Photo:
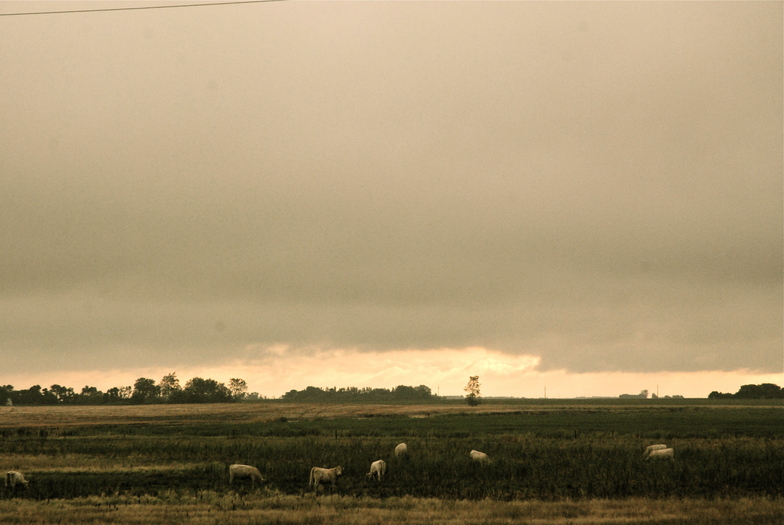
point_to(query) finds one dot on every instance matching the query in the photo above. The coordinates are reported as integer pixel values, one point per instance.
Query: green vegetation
(550, 460)
(763, 391)
(543, 454)
(144, 391)
(198, 390)
(399, 394)
(473, 393)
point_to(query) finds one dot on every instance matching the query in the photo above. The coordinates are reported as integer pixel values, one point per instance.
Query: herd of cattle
(320, 476)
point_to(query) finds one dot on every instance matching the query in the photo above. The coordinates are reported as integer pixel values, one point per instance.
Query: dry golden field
(236, 412)
(265, 508)
(31, 416)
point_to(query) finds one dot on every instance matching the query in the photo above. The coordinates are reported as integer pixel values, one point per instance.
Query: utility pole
(545, 392)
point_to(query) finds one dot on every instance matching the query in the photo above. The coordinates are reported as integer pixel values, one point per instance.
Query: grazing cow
(662, 453)
(244, 471)
(320, 475)
(377, 468)
(651, 448)
(479, 457)
(14, 478)
(401, 450)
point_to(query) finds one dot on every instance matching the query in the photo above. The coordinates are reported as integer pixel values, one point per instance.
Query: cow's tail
(311, 480)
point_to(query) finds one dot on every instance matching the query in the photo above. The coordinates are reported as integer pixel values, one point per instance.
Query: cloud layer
(593, 187)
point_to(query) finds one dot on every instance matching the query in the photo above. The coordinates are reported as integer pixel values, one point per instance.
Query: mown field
(554, 461)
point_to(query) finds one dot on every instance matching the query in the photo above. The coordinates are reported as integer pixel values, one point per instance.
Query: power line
(168, 6)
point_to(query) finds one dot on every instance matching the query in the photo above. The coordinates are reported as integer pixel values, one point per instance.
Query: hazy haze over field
(586, 196)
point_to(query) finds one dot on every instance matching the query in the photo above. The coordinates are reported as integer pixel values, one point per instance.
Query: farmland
(555, 461)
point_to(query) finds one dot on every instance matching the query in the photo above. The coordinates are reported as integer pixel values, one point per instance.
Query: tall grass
(207, 507)
(543, 455)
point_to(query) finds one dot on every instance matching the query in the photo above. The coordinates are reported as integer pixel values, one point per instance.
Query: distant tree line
(144, 391)
(644, 395)
(641, 395)
(763, 391)
(314, 394)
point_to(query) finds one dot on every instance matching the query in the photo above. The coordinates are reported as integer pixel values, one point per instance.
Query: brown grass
(213, 508)
(64, 416)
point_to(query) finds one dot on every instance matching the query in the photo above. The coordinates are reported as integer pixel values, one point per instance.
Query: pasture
(556, 461)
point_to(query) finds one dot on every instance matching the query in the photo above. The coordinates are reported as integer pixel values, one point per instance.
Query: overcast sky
(586, 195)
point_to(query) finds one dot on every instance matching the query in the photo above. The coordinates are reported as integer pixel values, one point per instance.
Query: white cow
(401, 450)
(244, 471)
(377, 468)
(14, 478)
(320, 475)
(479, 457)
(662, 453)
(651, 448)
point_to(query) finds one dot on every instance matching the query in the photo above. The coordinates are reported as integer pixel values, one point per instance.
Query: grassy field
(552, 461)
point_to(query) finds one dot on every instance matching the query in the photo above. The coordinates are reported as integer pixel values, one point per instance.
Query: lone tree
(238, 388)
(472, 391)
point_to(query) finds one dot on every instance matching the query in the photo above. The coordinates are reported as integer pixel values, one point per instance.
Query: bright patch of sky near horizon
(444, 371)
(586, 193)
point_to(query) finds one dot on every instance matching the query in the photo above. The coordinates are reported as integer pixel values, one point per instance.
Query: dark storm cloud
(596, 184)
